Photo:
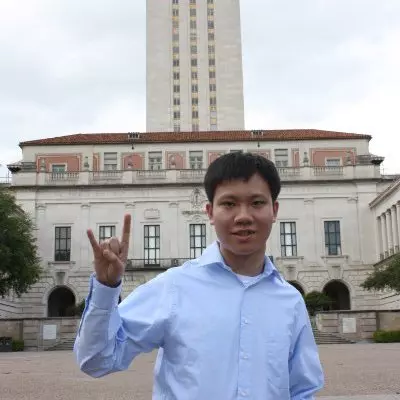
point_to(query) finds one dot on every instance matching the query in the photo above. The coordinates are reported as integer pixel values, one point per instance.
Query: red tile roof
(190, 137)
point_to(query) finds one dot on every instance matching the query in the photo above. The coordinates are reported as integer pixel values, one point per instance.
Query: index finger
(95, 246)
(126, 233)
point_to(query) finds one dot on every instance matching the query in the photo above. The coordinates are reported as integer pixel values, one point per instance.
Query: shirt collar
(212, 255)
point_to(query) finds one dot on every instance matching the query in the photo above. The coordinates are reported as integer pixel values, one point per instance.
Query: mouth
(244, 233)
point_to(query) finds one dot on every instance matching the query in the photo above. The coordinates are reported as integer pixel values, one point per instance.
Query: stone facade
(169, 203)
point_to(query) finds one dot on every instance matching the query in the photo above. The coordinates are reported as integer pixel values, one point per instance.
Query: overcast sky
(70, 66)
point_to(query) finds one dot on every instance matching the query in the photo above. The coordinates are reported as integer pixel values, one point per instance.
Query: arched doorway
(339, 293)
(60, 303)
(297, 286)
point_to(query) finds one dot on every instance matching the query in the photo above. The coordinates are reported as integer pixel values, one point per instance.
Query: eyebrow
(232, 196)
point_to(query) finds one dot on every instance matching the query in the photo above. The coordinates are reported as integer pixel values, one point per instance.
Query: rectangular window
(58, 168)
(211, 62)
(288, 239)
(195, 101)
(193, 24)
(177, 115)
(332, 162)
(175, 12)
(212, 74)
(192, 12)
(110, 161)
(62, 248)
(177, 101)
(177, 88)
(194, 62)
(196, 159)
(195, 127)
(213, 101)
(106, 232)
(195, 114)
(194, 75)
(213, 87)
(211, 36)
(197, 239)
(175, 62)
(155, 160)
(195, 88)
(152, 244)
(177, 75)
(332, 238)
(281, 158)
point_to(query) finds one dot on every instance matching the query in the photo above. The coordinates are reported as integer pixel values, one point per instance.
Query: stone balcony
(189, 176)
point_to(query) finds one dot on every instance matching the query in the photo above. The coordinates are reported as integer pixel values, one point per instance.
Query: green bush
(386, 336)
(18, 345)
(317, 301)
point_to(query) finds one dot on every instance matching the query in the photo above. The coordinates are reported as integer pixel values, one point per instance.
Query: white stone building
(325, 237)
(194, 66)
(386, 210)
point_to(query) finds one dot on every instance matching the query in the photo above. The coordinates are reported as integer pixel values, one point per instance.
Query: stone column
(384, 236)
(85, 262)
(398, 224)
(389, 232)
(42, 234)
(395, 230)
(380, 238)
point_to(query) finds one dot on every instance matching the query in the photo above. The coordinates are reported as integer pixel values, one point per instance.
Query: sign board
(349, 325)
(49, 332)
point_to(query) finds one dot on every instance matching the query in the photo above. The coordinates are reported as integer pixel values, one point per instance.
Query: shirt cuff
(104, 297)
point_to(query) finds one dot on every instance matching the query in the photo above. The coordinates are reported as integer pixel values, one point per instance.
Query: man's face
(242, 214)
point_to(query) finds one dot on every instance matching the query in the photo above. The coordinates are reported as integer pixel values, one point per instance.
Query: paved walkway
(366, 397)
(364, 371)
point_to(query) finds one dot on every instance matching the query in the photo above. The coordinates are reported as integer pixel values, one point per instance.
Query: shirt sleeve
(305, 371)
(110, 336)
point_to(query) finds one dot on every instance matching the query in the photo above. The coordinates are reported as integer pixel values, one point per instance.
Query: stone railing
(159, 263)
(151, 177)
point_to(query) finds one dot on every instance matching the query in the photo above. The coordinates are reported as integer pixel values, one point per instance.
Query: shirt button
(245, 356)
(244, 393)
(245, 321)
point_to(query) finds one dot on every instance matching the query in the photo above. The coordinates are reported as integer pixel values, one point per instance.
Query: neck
(248, 265)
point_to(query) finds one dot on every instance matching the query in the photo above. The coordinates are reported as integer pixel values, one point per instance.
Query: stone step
(66, 344)
(329, 338)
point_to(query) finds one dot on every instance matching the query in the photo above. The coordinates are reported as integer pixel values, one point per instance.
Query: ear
(275, 208)
(209, 210)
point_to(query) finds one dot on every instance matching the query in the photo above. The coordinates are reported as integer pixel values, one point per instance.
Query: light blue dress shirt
(218, 338)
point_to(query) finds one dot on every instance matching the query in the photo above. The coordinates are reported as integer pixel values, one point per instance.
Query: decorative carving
(308, 201)
(152, 213)
(193, 212)
(173, 205)
(197, 198)
(129, 205)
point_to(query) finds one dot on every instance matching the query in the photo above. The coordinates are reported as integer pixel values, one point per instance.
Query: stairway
(320, 338)
(329, 338)
(66, 344)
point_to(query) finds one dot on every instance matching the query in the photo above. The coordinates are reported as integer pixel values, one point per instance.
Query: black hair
(241, 166)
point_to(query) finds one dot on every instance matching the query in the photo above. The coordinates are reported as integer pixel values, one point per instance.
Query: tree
(317, 301)
(19, 263)
(385, 277)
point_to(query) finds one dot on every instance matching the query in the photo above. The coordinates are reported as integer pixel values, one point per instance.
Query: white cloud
(69, 66)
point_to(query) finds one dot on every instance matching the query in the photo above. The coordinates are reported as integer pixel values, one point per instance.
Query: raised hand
(111, 255)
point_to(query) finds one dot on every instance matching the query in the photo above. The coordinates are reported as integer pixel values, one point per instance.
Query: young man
(227, 325)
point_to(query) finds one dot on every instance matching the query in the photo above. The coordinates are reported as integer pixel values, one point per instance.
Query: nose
(243, 216)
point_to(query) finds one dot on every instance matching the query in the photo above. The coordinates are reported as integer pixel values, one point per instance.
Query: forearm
(101, 341)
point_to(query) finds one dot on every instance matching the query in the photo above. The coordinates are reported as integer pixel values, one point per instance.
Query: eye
(259, 203)
(228, 204)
